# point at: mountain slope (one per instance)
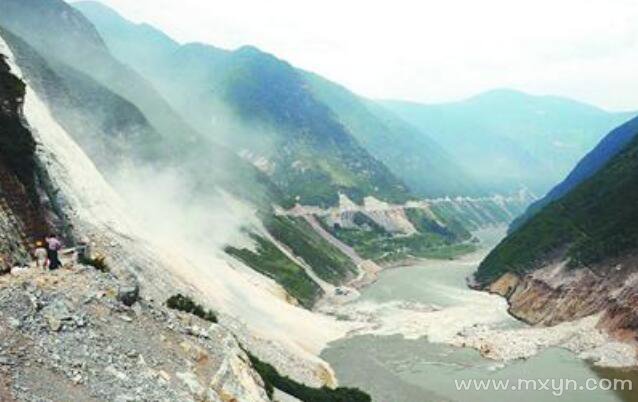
(165, 184)
(266, 92)
(508, 139)
(68, 334)
(22, 220)
(160, 256)
(153, 176)
(117, 137)
(272, 105)
(608, 147)
(108, 127)
(426, 168)
(60, 33)
(260, 106)
(111, 110)
(577, 255)
(591, 224)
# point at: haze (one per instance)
(427, 51)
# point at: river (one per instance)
(393, 367)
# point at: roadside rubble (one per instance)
(78, 334)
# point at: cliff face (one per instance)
(88, 208)
(577, 255)
(21, 217)
(555, 294)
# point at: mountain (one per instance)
(608, 147)
(258, 105)
(508, 139)
(112, 111)
(425, 167)
(577, 255)
(273, 106)
(61, 34)
(147, 165)
(319, 157)
(119, 296)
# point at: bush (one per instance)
(187, 305)
(327, 261)
(272, 262)
(98, 263)
(273, 379)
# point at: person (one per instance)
(53, 247)
(40, 254)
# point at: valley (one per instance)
(426, 329)
(235, 227)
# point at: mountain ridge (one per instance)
(609, 146)
(576, 255)
(210, 68)
(534, 141)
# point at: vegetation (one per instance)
(270, 261)
(326, 261)
(447, 212)
(596, 221)
(433, 240)
(424, 222)
(322, 157)
(187, 305)
(407, 151)
(329, 263)
(273, 379)
(609, 147)
(98, 263)
(419, 245)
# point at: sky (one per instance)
(427, 50)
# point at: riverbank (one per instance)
(469, 318)
(422, 327)
(555, 294)
(370, 270)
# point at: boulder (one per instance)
(128, 294)
(56, 314)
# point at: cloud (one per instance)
(429, 50)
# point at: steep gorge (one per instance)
(577, 255)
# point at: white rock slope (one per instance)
(288, 336)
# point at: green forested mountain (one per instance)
(594, 223)
(508, 139)
(291, 123)
(609, 147)
(422, 163)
